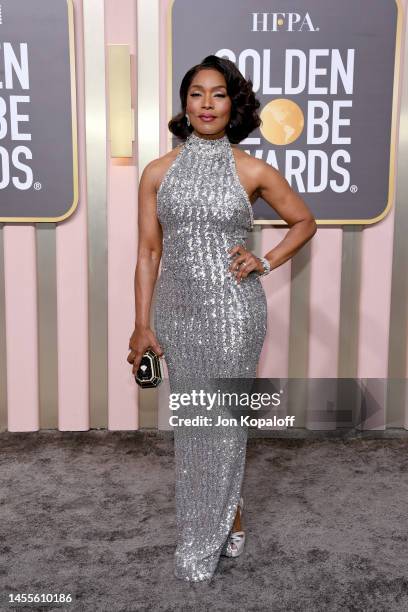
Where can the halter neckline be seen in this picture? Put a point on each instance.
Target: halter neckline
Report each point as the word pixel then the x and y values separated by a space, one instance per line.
pixel 204 145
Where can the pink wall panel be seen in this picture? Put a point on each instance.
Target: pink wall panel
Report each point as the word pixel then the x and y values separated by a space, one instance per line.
pixel 72 280
pixel 324 303
pixel 20 279
pixel 120 28
pixel 274 359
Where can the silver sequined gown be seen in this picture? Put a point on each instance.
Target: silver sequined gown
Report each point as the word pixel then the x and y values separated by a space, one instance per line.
pixel 208 326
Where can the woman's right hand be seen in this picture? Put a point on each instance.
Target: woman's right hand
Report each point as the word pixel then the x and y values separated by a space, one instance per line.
pixel 141 339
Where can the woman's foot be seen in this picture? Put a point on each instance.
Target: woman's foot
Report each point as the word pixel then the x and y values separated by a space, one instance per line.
pixel 234 545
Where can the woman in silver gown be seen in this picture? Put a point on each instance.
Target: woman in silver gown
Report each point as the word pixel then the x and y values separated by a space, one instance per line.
pixel 209 323
pixel 208 326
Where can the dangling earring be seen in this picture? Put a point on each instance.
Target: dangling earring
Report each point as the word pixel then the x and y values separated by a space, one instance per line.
pixel 187 119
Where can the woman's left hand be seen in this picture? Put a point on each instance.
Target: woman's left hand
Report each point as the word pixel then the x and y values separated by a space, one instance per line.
pixel 244 262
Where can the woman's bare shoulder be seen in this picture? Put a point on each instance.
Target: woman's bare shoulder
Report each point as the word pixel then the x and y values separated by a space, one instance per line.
pixel 157 168
pixel 245 158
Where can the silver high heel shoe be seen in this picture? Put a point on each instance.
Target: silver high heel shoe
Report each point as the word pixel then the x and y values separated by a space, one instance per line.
pixel 234 544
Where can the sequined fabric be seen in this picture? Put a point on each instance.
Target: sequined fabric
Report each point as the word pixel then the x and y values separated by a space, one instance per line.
pixel 209 327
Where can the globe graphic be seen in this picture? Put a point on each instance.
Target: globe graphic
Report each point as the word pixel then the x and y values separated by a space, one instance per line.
pixel 282 121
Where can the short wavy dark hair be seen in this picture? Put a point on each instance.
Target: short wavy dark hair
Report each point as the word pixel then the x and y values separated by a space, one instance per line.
pixel 244 117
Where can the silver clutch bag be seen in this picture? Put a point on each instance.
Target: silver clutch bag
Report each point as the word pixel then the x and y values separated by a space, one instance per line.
pixel 150 373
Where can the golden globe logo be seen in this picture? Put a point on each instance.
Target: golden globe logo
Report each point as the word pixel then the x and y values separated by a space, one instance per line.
pixel 282 121
pixel 288 22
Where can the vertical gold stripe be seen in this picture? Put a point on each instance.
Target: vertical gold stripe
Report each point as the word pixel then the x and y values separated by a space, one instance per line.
pixel 120 101
pixel 348 395
pixel 397 349
pixel 349 301
pixel 3 361
pixel 95 116
pixel 47 325
pixel 148 134
pixel 254 242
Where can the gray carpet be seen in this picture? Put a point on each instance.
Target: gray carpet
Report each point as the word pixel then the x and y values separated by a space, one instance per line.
pixel 92 514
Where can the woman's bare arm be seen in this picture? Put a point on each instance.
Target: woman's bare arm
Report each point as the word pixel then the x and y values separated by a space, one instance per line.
pixel 147 266
pixel 276 191
pixel 150 240
pixel 260 179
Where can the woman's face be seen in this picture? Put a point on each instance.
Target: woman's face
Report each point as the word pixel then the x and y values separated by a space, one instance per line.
pixel 207 96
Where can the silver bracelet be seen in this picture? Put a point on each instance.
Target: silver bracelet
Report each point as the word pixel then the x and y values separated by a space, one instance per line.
pixel 266 266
